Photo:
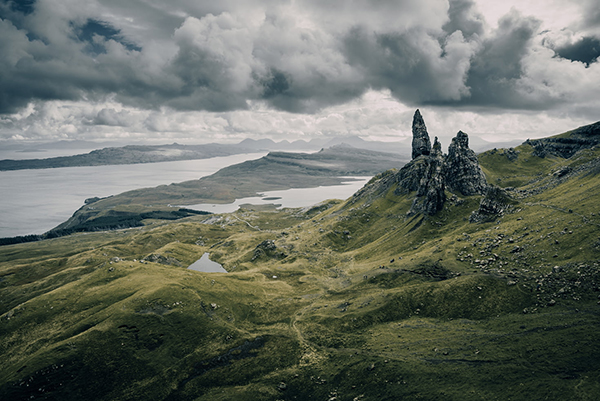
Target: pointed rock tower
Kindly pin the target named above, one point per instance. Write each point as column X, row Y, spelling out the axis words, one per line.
column 431, row 195
column 421, row 145
column 430, row 173
column 461, row 170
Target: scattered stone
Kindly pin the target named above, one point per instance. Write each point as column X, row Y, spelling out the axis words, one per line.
column 267, row 248
column 511, row 154
column 582, row 138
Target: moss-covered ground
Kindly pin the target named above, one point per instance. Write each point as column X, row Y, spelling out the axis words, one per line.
column 357, row 302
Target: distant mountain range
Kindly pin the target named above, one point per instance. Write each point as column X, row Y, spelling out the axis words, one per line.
column 133, row 154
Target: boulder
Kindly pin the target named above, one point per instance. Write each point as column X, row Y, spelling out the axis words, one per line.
column 268, row 249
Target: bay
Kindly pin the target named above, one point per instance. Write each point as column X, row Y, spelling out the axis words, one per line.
column 295, row 197
column 35, row 201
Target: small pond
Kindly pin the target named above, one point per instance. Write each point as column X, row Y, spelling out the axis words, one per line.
column 204, row 264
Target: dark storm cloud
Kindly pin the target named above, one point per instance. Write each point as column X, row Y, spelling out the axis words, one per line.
column 22, row 6
column 413, row 65
column 496, row 69
column 463, row 17
column 585, row 50
column 295, row 56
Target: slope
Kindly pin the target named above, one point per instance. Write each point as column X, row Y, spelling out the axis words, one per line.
column 346, row 300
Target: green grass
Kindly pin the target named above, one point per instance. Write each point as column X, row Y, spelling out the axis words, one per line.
column 502, row 310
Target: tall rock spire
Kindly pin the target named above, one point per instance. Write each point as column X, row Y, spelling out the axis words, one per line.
column 421, row 145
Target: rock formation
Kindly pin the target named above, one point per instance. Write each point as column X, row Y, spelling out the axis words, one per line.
column 495, row 202
column 431, row 173
column 461, row 169
column 431, row 193
column 421, row 145
column 268, row 249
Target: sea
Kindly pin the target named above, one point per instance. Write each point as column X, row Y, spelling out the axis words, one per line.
column 35, row 201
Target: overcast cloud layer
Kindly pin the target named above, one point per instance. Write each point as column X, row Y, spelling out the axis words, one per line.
column 200, row 71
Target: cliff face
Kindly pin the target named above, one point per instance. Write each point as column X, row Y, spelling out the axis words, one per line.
column 584, row 137
column 431, row 193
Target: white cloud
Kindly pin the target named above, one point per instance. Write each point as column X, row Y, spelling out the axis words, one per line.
column 293, row 69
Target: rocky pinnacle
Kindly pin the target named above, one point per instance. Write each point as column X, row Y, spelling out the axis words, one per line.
column 421, row 145
column 461, row 169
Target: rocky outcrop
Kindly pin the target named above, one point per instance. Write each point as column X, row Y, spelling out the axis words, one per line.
column 430, row 173
column 493, row 205
column 461, row 168
column 566, row 146
column 431, row 193
column 267, row 249
column 421, row 145
column 163, row 260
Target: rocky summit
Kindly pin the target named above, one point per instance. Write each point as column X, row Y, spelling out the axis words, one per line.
column 567, row 144
column 421, row 145
column 431, row 173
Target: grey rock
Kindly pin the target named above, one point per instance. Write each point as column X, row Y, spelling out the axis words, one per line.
column 511, row 154
column 584, row 137
column 431, row 193
column 421, row 144
column 163, row 260
column 267, row 248
column 409, row 176
column 461, row 168
column 495, row 202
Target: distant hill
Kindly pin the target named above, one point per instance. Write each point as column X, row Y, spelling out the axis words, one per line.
column 275, row 171
column 130, row 154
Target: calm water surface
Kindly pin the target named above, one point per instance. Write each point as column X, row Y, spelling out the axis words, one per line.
column 35, row 201
column 204, row 264
column 295, row 197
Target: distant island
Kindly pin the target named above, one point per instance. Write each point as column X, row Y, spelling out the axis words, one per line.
column 136, row 154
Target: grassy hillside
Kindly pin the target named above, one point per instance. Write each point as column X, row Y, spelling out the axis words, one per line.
column 355, row 301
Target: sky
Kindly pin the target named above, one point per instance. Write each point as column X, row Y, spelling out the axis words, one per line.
column 199, row 71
